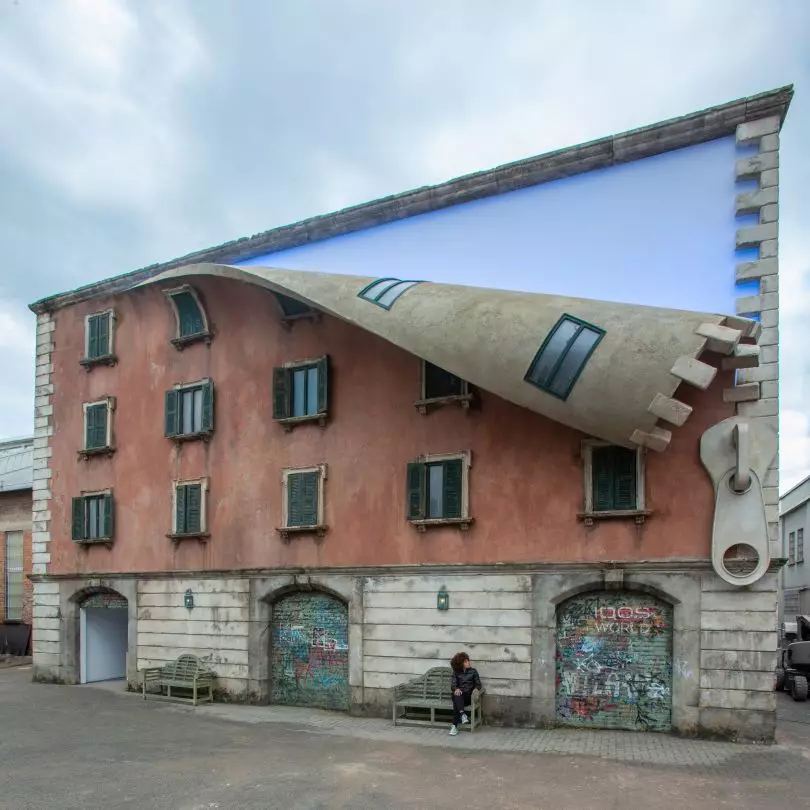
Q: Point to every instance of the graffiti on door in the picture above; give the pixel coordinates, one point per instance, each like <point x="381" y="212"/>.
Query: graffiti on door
<point x="614" y="661"/>
<point x="310" y="651"/>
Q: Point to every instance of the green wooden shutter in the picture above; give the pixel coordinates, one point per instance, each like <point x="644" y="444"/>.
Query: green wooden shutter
<point x="207" y="406"/>
<point x="281" y="393"/>
<point x="90" y="427"/>
<point x="309" y="498"/>
<point x="103" y="332"/>
<point x="194" y="508"/>
<point x="452" y="488"/>
<point x="96" y="428"/>
<point x="416" y="491"/>
<point x="323" y="385"/>
<point x="624" y="478"/>
<point x="172" y="412"/>
<point x="295" y="500"/>
<point x="78" y="519"/>
<point x="189" y="314"/>
<point x="92" y="337"/>
<point x="180" y="511"/>
<point x="602" y="478"/>
<point x="107" y="512"/>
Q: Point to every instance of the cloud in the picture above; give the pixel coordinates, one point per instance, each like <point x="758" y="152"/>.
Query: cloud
<point x="134" y="131"/>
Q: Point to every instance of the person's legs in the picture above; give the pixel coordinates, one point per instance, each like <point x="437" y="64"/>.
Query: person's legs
<point x="458" y="708"/>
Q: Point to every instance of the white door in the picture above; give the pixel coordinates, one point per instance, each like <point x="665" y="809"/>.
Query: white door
<point x="103" y="643"/>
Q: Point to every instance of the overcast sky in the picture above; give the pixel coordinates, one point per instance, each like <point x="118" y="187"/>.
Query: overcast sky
<point x="134" y="132"/>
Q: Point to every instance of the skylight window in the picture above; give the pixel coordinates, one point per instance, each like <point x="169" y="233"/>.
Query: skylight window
<point x="564" y="353"/>
<point x="385" y="291"/>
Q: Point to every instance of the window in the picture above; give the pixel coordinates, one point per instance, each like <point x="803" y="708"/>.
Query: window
<point x="189" y="410"/>
<point x="614" y="481"/>
<point x="438" y="490"/>
<point x="98" y="426"/>
<point x="13" y="577"/>
<point x="93" y="517"/>
<point x="385" y="291"/>
<point x="292" y="307"/>
<point x="192" y="324"/>
<point x="302" y="501"/>
<point x="98" y="339"/>
<point x="791" y="548"/>
<point x="440" y="383"/>
<point x="189" y="508"/>
<point x="799" y="545"/>
<point x="563" y="355"/>
<point x="300" y="390"/>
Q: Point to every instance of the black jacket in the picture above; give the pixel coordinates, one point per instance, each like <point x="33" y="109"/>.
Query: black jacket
<point x="466" y="680"/>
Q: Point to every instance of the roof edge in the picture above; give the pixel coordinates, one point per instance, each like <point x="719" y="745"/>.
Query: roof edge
<point x="625" y="147"/>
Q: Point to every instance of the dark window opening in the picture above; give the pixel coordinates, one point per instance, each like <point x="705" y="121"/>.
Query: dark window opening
<point x="440" y="383"/>
<point x="93" y="517"/>
<point x="614" y="479"/>
<point x="291" y="307"/>
<point x="188" y="509"/>
<point x="563" y="356"/>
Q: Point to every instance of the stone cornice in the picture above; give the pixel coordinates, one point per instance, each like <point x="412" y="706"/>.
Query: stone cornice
<point x="676" y="133"/>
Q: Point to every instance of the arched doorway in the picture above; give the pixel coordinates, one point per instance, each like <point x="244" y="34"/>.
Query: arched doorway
<point x="614" y="661"/>
<point x="103" y="636"/>
<point x="309" y="651"/>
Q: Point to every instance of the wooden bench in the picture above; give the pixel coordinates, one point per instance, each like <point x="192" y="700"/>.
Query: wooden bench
<point x="187" y="673"/>
<point x="432" y="692"/>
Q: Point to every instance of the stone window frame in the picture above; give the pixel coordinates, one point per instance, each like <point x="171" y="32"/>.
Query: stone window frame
<point x="319" y="528"/>
<point x="108" y="449"/>
<point x="588" y="515"/>
<point x="109" y="536"/>
<point x="465" y="520"/>
<point x="108" y="359"/>
<point x="202" y="535"/>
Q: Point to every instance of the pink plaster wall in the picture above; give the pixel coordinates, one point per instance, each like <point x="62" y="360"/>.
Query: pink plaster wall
<point x="525" y="482"/>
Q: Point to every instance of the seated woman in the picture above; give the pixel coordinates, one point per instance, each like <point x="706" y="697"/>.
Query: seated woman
<point x="463" y="682"/>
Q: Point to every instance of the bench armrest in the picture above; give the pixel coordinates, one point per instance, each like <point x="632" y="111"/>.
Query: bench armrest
<point x="151" y="674"/>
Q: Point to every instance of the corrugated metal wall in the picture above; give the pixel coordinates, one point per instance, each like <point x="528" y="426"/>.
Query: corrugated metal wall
<point x="309" y="654"/>
<point x="614" y="661"/>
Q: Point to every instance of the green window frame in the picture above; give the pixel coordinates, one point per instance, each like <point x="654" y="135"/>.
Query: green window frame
<point x="96" y="416"/>
<point x="189" y="410"/>
<point x="99" y="335"/>
<point x="563" y="355"/>
<point x="435" y="490"/>
<point x="614" y="479"/>
<point x="301" y="390"/>
<point x="302" y="498"/>
<point x="384" y="292"/>
<point x="188" y="509"/>
<point x="93" y="518"/>
<point x="191" y="320"/>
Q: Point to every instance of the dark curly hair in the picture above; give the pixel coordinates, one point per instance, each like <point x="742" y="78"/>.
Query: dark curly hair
<point x="457" y="661"/>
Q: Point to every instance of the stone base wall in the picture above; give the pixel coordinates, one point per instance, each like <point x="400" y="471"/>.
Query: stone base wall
<point x="723" y="640"/>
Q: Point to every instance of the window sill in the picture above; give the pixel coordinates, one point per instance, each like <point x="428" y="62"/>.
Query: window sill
<point x="181" y="438"/>
<point x="285" y="531"/>
<point x="180" y="343"/>
<point x="100" y="541"/>
<point x="95" y="451"/>
<point x="589" y="518"/>
<point x="90" y="363"/>
<point x="423" y="525"/>
<point x="424" y="405"/>
<point x="201" y="537"/>
<point x="289" y="422"/>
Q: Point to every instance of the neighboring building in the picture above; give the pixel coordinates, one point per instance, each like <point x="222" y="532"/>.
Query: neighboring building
<point x="795" y="576"/>
<point x="325" y="483"/>
<point x="15" y="545"/>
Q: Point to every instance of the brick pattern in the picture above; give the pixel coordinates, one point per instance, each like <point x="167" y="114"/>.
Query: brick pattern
<point x="758" y="385"/>
<point x="45" y="610"/>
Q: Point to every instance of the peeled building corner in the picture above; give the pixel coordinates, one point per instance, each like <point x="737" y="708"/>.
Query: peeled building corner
<point x="618" y="388"/>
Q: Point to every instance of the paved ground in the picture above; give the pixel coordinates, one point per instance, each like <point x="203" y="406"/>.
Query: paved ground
<point x="86" y="748"/>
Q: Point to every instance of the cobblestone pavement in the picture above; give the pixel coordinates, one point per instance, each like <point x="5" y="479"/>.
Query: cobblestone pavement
<point x="82" y="748"/>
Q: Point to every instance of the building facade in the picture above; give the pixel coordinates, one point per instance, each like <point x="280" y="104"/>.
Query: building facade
<point x="795" y="575"/>
<point x="325" y="483"/>
<point x="16" y="591"/>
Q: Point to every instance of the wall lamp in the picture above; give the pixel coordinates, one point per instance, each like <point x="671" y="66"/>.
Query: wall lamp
<point x="188" y="599"/>
<point x="443" y="599"/>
